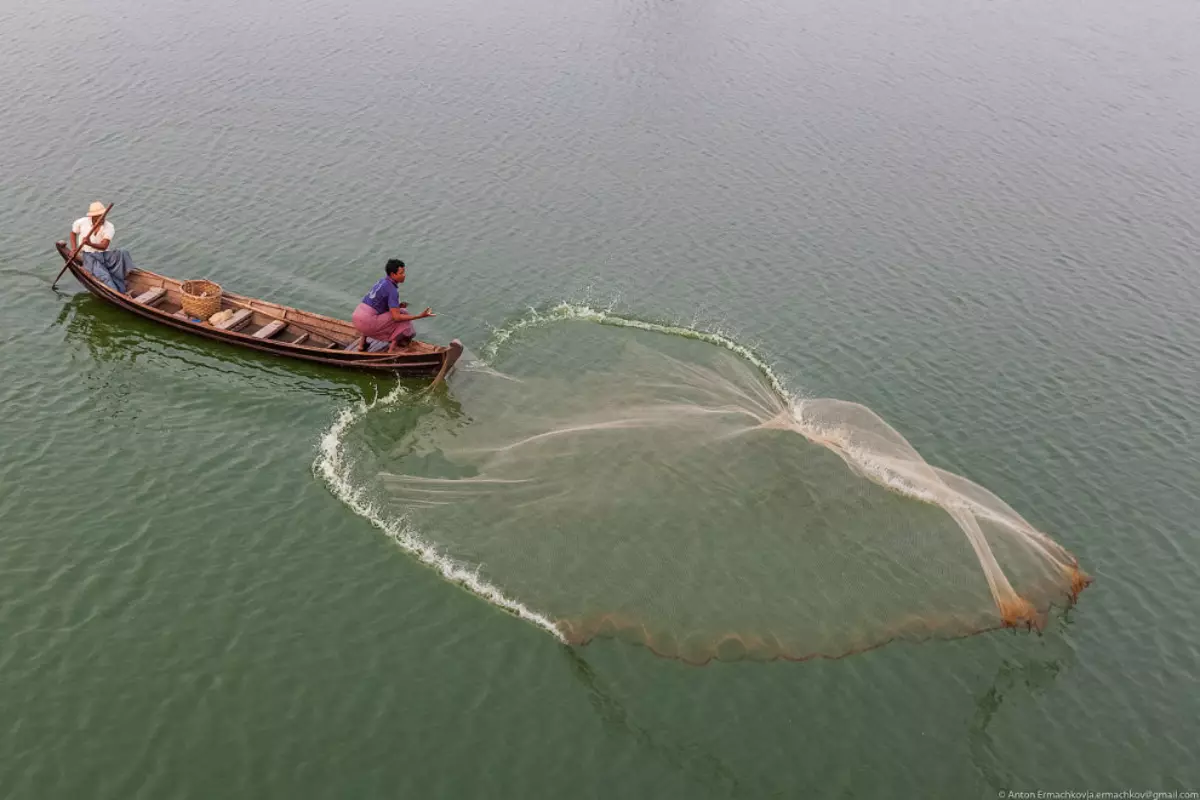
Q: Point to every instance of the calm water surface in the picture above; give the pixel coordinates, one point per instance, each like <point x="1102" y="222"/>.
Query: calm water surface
<point x="979" y="219"/>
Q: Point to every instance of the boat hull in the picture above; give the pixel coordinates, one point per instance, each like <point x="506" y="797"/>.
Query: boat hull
<point x="329" y="336"/>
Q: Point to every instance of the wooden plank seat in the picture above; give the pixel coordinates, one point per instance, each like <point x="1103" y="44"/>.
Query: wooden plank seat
<point x="239" y="320"/>
<point x="270" y="329"/>
<point x="373" y="346"/>
<point x="151" y="297"/>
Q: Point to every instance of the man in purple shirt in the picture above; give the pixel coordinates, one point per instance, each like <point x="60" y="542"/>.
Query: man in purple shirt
<point x="382" y="316"/>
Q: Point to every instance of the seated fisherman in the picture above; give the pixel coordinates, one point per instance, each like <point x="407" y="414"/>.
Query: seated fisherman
<point x="382" y="316"/>
<point x="109" y="266"/>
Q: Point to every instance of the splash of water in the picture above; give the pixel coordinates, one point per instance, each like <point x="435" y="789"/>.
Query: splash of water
<point x="510" y="479"/>
<point x="333" y="467"/>
<point x="568" y="312"/>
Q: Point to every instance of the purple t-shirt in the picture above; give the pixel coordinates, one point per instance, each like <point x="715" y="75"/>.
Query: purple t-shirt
<point x="383" y="295"/>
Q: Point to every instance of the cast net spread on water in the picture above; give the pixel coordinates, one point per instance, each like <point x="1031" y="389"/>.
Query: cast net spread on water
<point x="664" y="490"/>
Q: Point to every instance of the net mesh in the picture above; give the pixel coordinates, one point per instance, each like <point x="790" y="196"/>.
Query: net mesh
<point x="661" y="490"/>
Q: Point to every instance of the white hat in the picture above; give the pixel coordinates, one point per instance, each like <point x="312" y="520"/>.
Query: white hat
<point x="96" y="209"/>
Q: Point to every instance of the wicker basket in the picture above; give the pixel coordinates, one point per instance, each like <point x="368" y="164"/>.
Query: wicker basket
<point x="200" y="299"/>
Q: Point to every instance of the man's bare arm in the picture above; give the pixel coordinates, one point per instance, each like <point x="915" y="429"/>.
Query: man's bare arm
<point x="400" y="316"/>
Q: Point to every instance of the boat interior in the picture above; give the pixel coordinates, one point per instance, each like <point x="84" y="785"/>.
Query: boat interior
<point x="259" y="319"/>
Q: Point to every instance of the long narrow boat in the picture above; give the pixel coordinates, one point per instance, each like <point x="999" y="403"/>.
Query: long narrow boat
<point x="269" y="327"/>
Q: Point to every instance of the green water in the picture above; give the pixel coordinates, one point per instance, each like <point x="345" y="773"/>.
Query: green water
<point x="977" y="219"/>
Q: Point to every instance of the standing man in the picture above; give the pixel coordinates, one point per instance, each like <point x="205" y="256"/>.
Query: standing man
<point x="108" y="266"/>
<point x="382" y="316"/>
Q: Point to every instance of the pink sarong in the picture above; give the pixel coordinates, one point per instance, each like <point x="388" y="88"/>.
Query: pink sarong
<point x="374" y="325"/>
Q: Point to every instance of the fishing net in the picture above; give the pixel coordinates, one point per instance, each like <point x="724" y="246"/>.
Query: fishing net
<point x="663" y="490"/>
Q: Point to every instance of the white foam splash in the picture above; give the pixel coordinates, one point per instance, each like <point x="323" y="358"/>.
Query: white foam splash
<point x="899" y="476"/>
<point x="332" y="466"/>
<point x="834" y="438"/>
<point x="574" y="311"/>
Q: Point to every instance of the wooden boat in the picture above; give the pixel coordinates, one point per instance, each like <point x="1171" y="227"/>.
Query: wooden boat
<point x="269" y="327"/>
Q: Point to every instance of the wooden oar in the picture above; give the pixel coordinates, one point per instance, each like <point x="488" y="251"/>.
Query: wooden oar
<point x="83" y="241"/>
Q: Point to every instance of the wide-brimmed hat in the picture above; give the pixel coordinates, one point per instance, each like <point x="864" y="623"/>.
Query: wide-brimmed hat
<point x="96" y="209"/>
